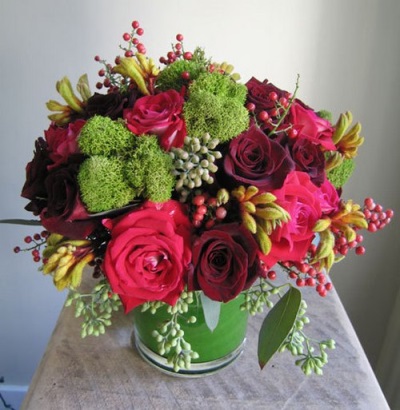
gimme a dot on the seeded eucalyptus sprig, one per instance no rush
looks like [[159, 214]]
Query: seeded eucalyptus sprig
[[96, 308], [258, 296], [170, 336], [312, 353]]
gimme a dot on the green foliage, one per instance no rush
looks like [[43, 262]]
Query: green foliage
[[103, 136], [103, 185], [294, 340], [96, 308], [148, 170], [339, 175], [222, 117], [277, 325]]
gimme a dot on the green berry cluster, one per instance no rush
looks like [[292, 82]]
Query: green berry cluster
[[170, 337], [96, 308], [312, 354], [194, 163]]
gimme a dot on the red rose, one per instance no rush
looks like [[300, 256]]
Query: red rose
[[148, 254], [62, 142], [300, 197], [160, 115], [311, 127], [225, 262], [255, 159]]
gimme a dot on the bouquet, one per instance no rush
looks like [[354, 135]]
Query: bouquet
[[180, 179]]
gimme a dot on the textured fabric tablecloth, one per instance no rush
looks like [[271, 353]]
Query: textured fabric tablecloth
[[107, 373]]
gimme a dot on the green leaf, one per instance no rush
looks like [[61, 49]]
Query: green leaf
[[212, 310], [277, 325]]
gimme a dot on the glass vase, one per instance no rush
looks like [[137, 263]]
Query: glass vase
[[216, 349]]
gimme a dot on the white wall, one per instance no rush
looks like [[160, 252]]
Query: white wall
[[347, 53]]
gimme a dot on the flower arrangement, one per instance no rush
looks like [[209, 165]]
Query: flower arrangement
[[183, 179]]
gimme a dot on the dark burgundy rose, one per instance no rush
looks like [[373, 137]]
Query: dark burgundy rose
[[309, 158], [108, 105], [65, 213], [254, 159], [259, 93], [36, 173], [225, 262]]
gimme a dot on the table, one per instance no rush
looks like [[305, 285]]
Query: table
[[108, 373]]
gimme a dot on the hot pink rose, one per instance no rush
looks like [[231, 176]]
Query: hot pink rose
[[328, 197], [300, 197], [160, 115], [311, 127], [62, 142], [148, 254]]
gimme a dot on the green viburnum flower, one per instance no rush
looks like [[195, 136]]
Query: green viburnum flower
[[171, 76], [103, 184], [103, 136], [149, 169], [222, 117], [339, 175], [220, 85]]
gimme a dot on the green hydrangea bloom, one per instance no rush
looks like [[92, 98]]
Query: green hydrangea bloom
[[338, 176], [148, 170], [222, 117], [326, 115], [103, 185], [220, 85], [171, 76], [103, 136]]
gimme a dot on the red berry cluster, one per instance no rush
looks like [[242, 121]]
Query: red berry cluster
[[176, 53], [280, 106], [376, 216], [132, 43], [306, 274], [36, 241], [206, 211]]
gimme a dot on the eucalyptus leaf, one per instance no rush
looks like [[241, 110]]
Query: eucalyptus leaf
[[212, 310], [277, 325]]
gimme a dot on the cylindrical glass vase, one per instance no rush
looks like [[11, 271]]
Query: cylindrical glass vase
[[216, 349]]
